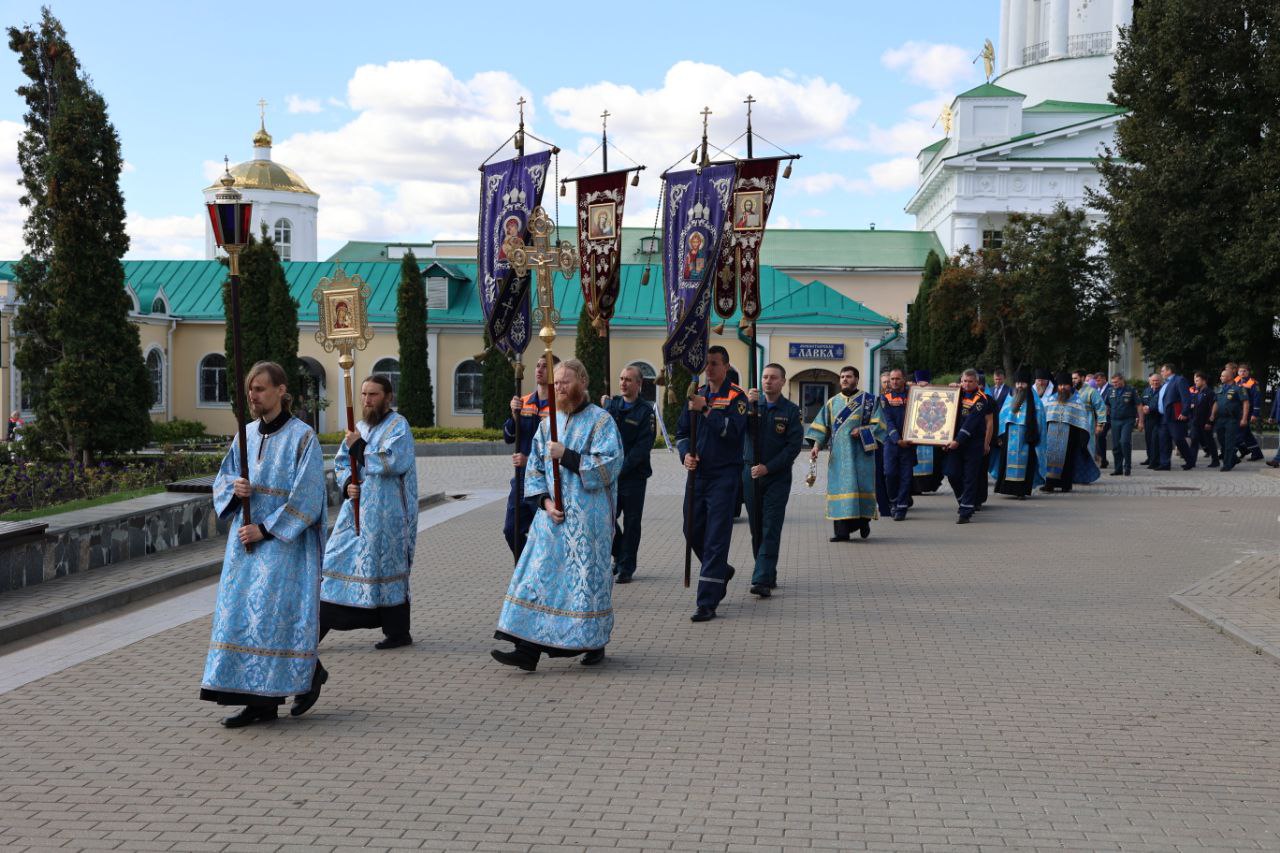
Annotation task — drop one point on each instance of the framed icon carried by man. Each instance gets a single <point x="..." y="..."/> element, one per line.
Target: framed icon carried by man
<point x="747" y="208"/>
<point x="931" y="414"/>
<point x="602" y="221"/>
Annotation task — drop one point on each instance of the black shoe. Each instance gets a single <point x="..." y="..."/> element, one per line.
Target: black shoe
<point x="899" y="516"/>
<point x="1116" y="473"/>
<point x="1160" y="468"/>
<point x="394" y="642"/>
<point x="1214" y="464"/>
<point x="729" y="575"/>
<point x="1226" y="468"/>
<point x="593" y="657"/>
<point x="304" y="702"/>
<point x="1256" y="456"/>
<point x="1128" y="473"/>
<point x="964" y="519"/>
<point x="1272" y="463"/>
<point x="838" y="539"/>
<point x="761" y="590"/>
<point x="250" y="715"/>
<point x="623" y="579"/>
<point x="1048" y="490"/>
<point x="1187" y="467"/>
<point x="866" y="529"/>
<point x="528" y="661"/>
<point x="702" y="614"/>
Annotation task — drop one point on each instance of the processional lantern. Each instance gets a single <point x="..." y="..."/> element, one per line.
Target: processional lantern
<point x="341" y="302"/>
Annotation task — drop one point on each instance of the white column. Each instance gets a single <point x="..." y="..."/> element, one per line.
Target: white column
<point x="1121" y="16"/>
<point x="1017" y="33"/>
<point x="1059" y="19"/>
<point x="1003" y="44"/>
<point x="964" y="232"/>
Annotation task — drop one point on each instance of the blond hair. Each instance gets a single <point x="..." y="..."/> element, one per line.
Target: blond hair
<point x="276" y="376"/>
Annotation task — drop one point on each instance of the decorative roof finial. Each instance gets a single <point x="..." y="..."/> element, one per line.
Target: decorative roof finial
<point x="262" y="139"/>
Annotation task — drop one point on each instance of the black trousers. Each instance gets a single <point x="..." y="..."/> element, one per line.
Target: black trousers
<point x="393" y="620"/>
<point x="626" y="537"/>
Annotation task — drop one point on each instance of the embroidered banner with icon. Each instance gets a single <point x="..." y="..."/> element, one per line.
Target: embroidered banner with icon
<point x="509" y="191"/>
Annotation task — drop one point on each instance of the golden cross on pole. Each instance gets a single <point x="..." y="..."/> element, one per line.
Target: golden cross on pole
<point x="262" y="110"/>
<point x="545" y="260"/>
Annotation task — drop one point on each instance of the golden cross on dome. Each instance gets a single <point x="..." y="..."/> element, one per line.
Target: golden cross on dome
<point x="262" y="111"/>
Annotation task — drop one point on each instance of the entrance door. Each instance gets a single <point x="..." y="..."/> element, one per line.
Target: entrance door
<point x="813" y="395"/>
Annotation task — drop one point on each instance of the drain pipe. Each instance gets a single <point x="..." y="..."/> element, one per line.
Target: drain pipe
<point x="759" y="348"/>
<point x="897" y="333"/>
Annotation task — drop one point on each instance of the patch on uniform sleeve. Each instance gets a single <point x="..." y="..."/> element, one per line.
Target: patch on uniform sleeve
<point x="742" y="407"/>
<point x="977" y="405"/>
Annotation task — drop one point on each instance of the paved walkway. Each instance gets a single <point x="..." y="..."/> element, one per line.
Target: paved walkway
<point x="1020" y="682"/>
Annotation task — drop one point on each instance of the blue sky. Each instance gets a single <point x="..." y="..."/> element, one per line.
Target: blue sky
<point x="386" y="108"/>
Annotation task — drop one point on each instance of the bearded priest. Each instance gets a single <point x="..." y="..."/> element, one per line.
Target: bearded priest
<point x="366" y="575"/>
<point x="559" y="601"/>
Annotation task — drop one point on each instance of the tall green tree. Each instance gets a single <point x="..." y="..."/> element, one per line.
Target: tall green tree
<point x="411" y="332"/>
<point x="1192" y="190"/>
<point x="955" y="343"/>
<point x="674" y="398"/>
<point x="268" y="314"/>
<point x="919" y="340"/>
<point x="77" y="348"/>
<point x="589" y="348"/>
<point x="499" y="384"/>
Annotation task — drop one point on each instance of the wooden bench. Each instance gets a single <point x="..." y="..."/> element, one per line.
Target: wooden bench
<point x="196" y="485"/>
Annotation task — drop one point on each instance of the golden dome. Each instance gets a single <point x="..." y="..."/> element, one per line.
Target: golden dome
<point x="262" y="139"/>
<point x="267" y="175"/>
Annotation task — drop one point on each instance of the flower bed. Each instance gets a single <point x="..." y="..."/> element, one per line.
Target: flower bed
<point x="28" y="484"/>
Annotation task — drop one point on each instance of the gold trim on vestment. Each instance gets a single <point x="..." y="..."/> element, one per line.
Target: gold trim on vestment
<point x="270" y="653"/>
<point x="847" y="495"/>
<point x="267" y="490"/>
<point x="575" y="614"/>
<point x="305" y="519"/>
<point x="338" y="576"/>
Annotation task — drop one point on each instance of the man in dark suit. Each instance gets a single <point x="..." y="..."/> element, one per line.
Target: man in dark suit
<point x="1172" y="403"/>
<point x="1149" y="423"/>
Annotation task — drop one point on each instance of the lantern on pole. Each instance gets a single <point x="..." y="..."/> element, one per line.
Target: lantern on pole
<point x="229" y="214"/>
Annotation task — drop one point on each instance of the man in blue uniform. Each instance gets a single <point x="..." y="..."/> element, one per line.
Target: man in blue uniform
<point x="1248" y="441"/>
<point x="965" y="452"/>
<point x="1199" y="431"/>
<point x="781" y="434"/>
<point x="1149" y="421"/>
<point x="636" y="424"/>
<point x="1230" y="415"/>
<point x="899" y="458"/>
<point x="1122" y="413"/>
<point x="530" y="409"/>
<point x="716" y="461"/>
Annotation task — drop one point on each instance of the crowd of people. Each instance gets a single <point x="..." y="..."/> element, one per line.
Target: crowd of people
<point x="577" y="494"/>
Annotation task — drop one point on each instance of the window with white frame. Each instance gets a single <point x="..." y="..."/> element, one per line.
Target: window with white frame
<point x="283" y="235"/>
<point x="390" y="368"/>
<point x="158" y="306"/>
<point x="155" y="372"/>
<point x="213" y="380"/>
<point x="468" y="387"/>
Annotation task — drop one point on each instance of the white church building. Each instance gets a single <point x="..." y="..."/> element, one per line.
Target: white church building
<point x="1032" y="137"/>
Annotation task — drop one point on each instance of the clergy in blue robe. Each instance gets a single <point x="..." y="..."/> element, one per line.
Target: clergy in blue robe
<point x="265" y="622"/>
<point x="366" y="576"/>
<point x="1017" y="465"/>
<point x="1067" y="457"/>
<point x="848" y="425"/>
<point x="560" y="599"/>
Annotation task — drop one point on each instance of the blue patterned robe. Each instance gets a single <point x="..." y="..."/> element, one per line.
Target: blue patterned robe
<point x="265" y="623"/>
<point x="1096" y="409"/>
<point x="851" y="471"/>
<point x="1016" y="452"/>
<point x="372" y="569"/>
<point x="561" y="594"/>
<point x="1068" y="460"/>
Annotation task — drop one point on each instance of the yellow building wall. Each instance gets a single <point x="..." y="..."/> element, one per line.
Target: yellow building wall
<point x="6" y="356"/>
<point x="886" y="293"/>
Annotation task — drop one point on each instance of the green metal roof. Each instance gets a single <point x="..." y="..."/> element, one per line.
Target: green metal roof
<point x="194" y="289"/>
<point x="937" y="146"/>
<point x="1075" y="107"/>
<point x="789" y="248"/>
<point x="990" y="90"/>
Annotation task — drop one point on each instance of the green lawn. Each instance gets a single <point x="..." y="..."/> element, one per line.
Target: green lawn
<point x="70" y="506"/>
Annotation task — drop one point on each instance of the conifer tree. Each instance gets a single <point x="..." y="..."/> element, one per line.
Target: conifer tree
<point x="268" y="315"/>
<point x="77" y="349"/>
<point x="589" y="348"/>
<point x="919" y="342"/>
<point x="414" y="397"/>
<point x="674" y="397"/>
<point x="499" y="385"/>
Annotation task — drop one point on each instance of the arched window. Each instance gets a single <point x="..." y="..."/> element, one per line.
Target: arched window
<point x="213" y="380"/>
<point x="158" y="306"/>
<point x="283" y="235"/>
<point x="468" y="388"/>
<point x="155" y="371"/>
<point x="390" y="368"/>
<point x="648" y="391"/>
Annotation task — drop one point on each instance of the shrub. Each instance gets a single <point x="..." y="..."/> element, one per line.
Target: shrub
<point x="27" y="485"/>
<point x="177" y="431"/>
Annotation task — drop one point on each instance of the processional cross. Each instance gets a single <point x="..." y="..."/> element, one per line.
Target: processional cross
<point x="545" y="260"/>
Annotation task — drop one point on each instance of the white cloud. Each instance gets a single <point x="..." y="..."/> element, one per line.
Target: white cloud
<point x="824" y="182"/>
<point x="897" y="174"/>
<point x="12" y="214"/>
<point x="906" y="137"/>
<point x="298" y="104"/>
<point x="936" y="66"/>
<point x="126" y="167"/>
<point x="165" y="237"/>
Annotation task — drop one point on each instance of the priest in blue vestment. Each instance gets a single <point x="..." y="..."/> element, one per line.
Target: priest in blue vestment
<point x="848" y="425"/>
<point x="1017" y="463"/>
<point x="265" y="623"/>
<point x="1067" y="456"/>
<point x="560" y="599"/>
<point x="366" y="576"/>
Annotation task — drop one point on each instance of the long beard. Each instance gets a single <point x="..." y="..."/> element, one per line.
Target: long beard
<point x="373" y="416"/>
<point x="1064" y="395"/>
<point x="569" y="402"/>
<point x="1019" y="397"/>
